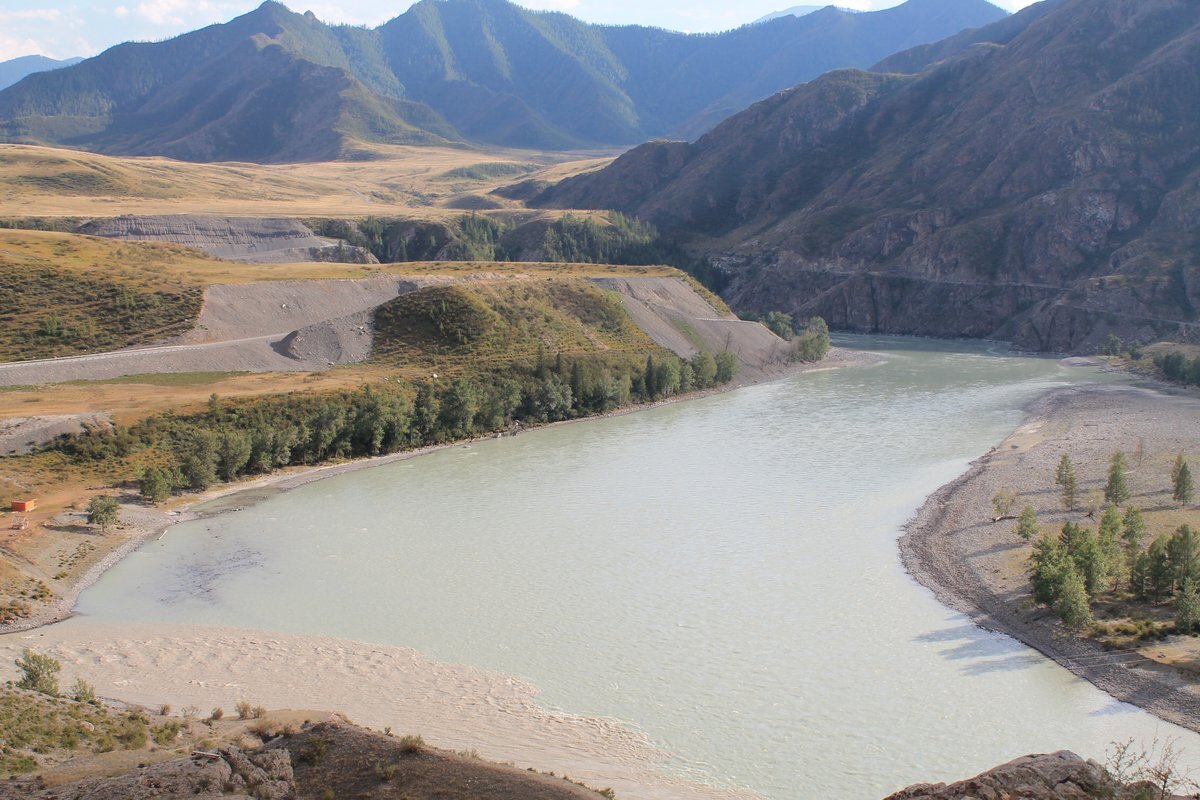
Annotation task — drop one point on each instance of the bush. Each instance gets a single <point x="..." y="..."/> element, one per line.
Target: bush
<point x="217" y="713"/>
<point x="411" y="743"/>
<point x="38" y="672"/>
<point x="83" y="692"/>
<point x="166" y="733"/>
<point x="244" y="710"/>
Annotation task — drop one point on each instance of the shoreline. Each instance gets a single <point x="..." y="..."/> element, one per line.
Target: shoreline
<point x="976" y="567"/>
<point x="142" y="523"/>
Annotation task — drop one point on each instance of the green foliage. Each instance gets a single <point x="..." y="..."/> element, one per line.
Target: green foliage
<point x="1088" y="557"/>
<point x="1182" y="485"/>
<point x="83" y="692"/>
<point x="33" y="723"/>
<point x="780" y="324"/>
<point x="1002" y="501"/>
<point x="1027" y="523"/>
<point x="104" y="511"/>
<point x="1112" y="346"/>
<point x="47" y="312"/>
<point x="613" y="239"/>
<point x="165" y="733"/>
<point x="813" y="343"/>
<point x="1064" y="477"/>
<point x="1187" y="608"/>
<point x="156" y="484"/>
<point x="1116" y="490"/>
<point x="1108" y="539"/>
<point x="727" y="366"/>
<point x="1073" y="606"/>
<point x="1178" y="368"/>
<point x="38" y="672"/>
<point x="1048" y="563"/>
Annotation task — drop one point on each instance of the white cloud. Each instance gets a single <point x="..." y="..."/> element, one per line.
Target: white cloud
<point x="121" y="11"/>
<point x="551" y="5"/>
<point x="179" y="12"/>
<point x="40" y="14"/>
<point x="14" y="46"/>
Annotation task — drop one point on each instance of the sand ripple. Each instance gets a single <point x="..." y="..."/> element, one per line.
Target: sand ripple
<point x="452" y="706"/>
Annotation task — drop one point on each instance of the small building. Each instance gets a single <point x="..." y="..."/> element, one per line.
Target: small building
<point x="23" y="506"/>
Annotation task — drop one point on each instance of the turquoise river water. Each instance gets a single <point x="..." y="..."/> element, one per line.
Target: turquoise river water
<point x="721" y="574"/>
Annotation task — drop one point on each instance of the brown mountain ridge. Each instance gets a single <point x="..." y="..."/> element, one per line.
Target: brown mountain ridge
<point x="1039" y="182"/>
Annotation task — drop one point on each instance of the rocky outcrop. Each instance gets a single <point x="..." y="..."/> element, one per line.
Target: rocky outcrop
<point x="1039" y="182"/>
<point x="1056" y="776"/>
<point x="250" y="239"/>
<point x="266" y="775"/>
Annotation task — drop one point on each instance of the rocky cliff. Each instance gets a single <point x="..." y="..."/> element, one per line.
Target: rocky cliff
<point x="1038" y="182"/>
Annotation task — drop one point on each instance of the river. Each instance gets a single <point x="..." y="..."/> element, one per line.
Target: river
<point x="721" y="574"/>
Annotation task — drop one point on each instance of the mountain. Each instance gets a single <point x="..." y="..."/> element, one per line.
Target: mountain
<point x="273" y="85"/>
<point x="15" y="69"/>
<point x="1039" y="184"/>
<point x="794" y="11"/>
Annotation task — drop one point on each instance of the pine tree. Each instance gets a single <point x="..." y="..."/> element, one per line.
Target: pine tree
<point x="1065" y="478"/>
<point x="1073" y="607"/>
<point x="1117" y="488"/>
<point x="1187" y="608"/>
<point x="1133" y="530"/>
<point x="1110" y="546"/>
<point x="1047" y="563"/>
<point x="1183" y="484"/>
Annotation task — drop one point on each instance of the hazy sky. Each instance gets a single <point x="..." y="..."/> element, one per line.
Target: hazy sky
<point x="62" y="29"/>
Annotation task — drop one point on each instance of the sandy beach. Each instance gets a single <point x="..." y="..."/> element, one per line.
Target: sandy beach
<point x="978" y="567"/>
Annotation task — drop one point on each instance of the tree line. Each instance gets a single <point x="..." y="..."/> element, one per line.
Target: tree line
<point x="619" y="239"/>
<point x="231" y="439"/>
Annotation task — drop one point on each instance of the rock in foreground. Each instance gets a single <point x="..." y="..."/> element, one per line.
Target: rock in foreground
<point x="1054" y="776"/>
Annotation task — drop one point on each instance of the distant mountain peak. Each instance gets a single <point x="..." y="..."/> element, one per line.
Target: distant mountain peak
<point x="445" y="70"/>
<point x="798" y="11"/>
<point x="1037" y="182"/>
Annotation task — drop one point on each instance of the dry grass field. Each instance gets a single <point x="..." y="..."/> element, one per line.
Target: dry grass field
<point x="42" y="181"/>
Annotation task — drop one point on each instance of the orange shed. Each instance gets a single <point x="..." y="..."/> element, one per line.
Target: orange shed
<point x="23" y="506"/>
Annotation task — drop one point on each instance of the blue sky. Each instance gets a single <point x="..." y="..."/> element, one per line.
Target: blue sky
<point x="62" y="29"/>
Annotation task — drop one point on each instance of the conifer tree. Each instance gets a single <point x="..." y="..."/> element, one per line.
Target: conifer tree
<point x="1065" y="478"/>
<point x="1073" y="607"/>
<point x="1117" y="488"/>
<point x="1187" y="608"/>
<point x="1183" y="484"/>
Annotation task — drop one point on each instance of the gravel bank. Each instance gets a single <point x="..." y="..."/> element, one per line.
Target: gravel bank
<point x="978" y="567"/>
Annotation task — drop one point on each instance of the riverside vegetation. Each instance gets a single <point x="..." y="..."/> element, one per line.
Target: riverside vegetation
<point x="507" y="349"/>
<point x="1139" y="569"/>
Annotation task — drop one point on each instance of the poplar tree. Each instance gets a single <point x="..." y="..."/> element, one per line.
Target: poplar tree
<point x="1065" y="478"/>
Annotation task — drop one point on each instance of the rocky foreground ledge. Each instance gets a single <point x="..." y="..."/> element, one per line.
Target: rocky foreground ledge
<point x="335" y="760"/>
<point x="1054" y="776"/>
